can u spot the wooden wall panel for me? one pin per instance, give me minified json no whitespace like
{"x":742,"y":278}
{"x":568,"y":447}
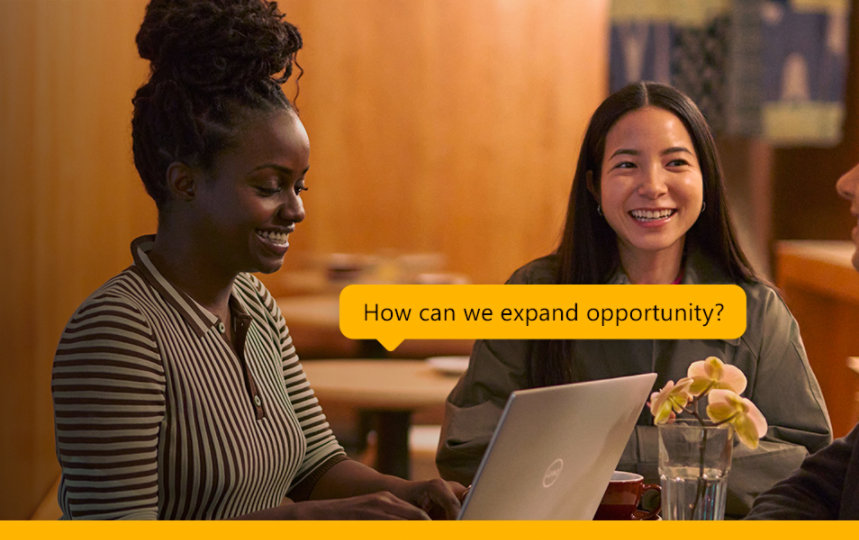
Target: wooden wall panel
{"x":442,"y":125}
{"x":71,"y":201}
{"x":436,"y":125}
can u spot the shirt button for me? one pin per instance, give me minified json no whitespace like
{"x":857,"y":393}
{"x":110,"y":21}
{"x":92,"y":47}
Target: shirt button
{"x":257,"y":401}
{"x":221,"y":327}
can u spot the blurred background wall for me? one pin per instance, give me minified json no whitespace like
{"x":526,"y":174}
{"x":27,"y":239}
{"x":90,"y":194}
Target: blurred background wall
{"x":443,"y":125}
{"x":446,"y":126}
{"x":69,"y":203}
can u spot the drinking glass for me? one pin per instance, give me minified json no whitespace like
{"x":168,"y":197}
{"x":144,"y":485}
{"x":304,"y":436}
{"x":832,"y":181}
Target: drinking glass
{"x":694,"y":462}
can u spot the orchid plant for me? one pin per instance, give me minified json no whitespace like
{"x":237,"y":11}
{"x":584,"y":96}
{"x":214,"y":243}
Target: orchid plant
{"x":722,"y":384}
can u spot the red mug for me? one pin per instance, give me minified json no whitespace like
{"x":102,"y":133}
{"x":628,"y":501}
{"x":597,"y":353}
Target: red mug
{"x":623,"y":495}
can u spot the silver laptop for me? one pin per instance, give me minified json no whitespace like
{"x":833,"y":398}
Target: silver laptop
{"x":554,"y":449}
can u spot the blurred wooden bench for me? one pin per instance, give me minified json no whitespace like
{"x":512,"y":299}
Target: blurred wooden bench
{"x":821,"y":288}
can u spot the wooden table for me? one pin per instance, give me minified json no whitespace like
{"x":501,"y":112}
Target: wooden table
{"x":821,"y":288}
{"x":390,"y":390}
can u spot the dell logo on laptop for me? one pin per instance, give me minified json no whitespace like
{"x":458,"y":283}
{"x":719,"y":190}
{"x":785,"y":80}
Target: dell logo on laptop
{"x":553,"y":472}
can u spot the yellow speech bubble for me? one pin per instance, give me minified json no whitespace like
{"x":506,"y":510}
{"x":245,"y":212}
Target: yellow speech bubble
{"x":393,"y":313}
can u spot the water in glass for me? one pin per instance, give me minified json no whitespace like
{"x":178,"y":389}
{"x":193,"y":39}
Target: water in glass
{"x":686,"y":495}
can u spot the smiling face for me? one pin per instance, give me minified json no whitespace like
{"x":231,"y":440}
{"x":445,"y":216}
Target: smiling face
{"x":250,"y":198}
{"x":848,"y":188}
{"x":651,"y":187}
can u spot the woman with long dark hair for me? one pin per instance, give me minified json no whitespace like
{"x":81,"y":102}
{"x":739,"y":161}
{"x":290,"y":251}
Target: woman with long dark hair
{"x":177,"y":391}
{"x":648,"y":205}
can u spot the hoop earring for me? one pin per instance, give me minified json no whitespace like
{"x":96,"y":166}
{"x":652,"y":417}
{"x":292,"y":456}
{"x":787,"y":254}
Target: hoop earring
{"x":599,"y":209}
{"x":703,"y":207}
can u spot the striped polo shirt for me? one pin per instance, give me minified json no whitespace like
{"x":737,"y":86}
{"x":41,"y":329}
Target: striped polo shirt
{"x":157,"y":417}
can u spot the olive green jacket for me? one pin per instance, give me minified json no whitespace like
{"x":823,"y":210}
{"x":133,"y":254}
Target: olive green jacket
{"x":770,"y":353}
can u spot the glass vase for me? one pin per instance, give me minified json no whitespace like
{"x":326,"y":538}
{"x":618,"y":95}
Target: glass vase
{"x":694,"y":462}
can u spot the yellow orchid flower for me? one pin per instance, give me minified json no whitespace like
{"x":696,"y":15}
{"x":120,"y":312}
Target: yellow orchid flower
{"x":748,"y":422}
{"x":670,"y":400}
{"x":713,"y":374}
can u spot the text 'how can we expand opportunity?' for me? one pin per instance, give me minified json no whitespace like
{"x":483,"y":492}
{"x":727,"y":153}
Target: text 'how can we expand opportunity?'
{"x":393,"y":313}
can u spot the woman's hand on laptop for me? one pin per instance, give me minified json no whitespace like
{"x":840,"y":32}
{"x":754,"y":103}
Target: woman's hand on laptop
{"x":352,"y":490}
{"x":438,"y":498}
{"x":376,"y":506}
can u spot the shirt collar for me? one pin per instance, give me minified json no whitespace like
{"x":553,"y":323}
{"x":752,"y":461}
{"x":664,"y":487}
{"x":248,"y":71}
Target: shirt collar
{"x":198,"y":318}
{"x":697,"y":270}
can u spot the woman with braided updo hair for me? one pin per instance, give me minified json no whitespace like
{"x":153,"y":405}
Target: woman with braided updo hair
{"x":177,"y":390}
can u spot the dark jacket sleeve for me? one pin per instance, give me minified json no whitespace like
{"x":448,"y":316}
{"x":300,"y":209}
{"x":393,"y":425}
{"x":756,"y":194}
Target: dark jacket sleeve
{"x":824,"y":487}
{"x":496,"y":368}
{"x":474,"y":407}
{"x":783,"y":386}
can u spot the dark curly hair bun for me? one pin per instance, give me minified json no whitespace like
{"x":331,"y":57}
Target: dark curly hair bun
{"x":214,"y":45}
{"x":212,"y":62}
